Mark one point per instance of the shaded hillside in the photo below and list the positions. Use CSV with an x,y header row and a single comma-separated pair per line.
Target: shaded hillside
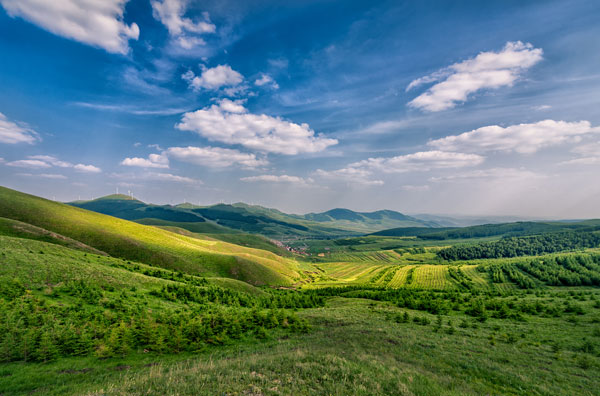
x,y
367,221
216,219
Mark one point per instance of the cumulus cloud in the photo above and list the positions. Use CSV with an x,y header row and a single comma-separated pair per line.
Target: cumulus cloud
x,y
278,179
488,70
184,31
48,161
266,79
94,22
213,78
153,161
521,138
230,122
215,157
12,133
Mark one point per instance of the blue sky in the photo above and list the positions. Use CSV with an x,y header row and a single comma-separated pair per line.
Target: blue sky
x,y
440,107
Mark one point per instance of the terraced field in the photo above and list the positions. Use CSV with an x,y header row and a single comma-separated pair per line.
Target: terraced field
x,y
387,256
426,276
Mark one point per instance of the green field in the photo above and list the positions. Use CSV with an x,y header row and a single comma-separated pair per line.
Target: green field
x,y
95,305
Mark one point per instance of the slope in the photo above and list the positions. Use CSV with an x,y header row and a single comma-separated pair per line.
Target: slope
x,y
151,245
367,221
215,219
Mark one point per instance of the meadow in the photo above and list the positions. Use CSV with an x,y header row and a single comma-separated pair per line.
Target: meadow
x,y
94,305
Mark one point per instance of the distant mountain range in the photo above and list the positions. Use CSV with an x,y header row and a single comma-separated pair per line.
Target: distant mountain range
x,y
241,217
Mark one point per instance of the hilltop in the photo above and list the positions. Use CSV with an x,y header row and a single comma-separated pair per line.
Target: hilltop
x,y
254,219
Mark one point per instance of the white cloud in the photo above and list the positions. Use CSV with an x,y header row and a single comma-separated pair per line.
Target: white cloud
x,y
87,168
48,161
588,149
94,22
266,79
589,155
213,78
421,161
215,157
153,161
542,107
31,164
350,175
131,109
171,178
184,31
521,138
54,176
490,174
384,127
362,172
582,161
51,160
278,179
415,188
259,132
12,133
155,176
486,70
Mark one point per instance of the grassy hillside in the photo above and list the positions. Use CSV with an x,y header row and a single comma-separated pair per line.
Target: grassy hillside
x,y
361,347
146,244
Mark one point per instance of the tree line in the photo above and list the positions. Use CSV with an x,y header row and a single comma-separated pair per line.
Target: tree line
x,y
522,246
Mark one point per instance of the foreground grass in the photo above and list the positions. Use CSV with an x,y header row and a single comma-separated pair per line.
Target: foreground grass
x,y
354,348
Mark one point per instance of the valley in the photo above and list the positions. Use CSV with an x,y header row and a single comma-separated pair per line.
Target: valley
x,y
93,304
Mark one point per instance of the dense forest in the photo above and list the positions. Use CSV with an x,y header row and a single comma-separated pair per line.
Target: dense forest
x,y
522,246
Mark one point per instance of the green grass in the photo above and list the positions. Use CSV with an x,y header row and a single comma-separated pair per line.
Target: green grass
x,y
396,319
354,348
151,245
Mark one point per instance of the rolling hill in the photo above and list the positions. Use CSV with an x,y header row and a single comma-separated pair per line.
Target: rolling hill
x,y
253,219
367,221
38,218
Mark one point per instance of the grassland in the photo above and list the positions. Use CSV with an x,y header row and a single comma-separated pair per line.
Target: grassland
x,y
146,244
93,305
356,346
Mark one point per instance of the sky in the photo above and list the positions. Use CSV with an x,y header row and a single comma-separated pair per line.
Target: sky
x,y
462,107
